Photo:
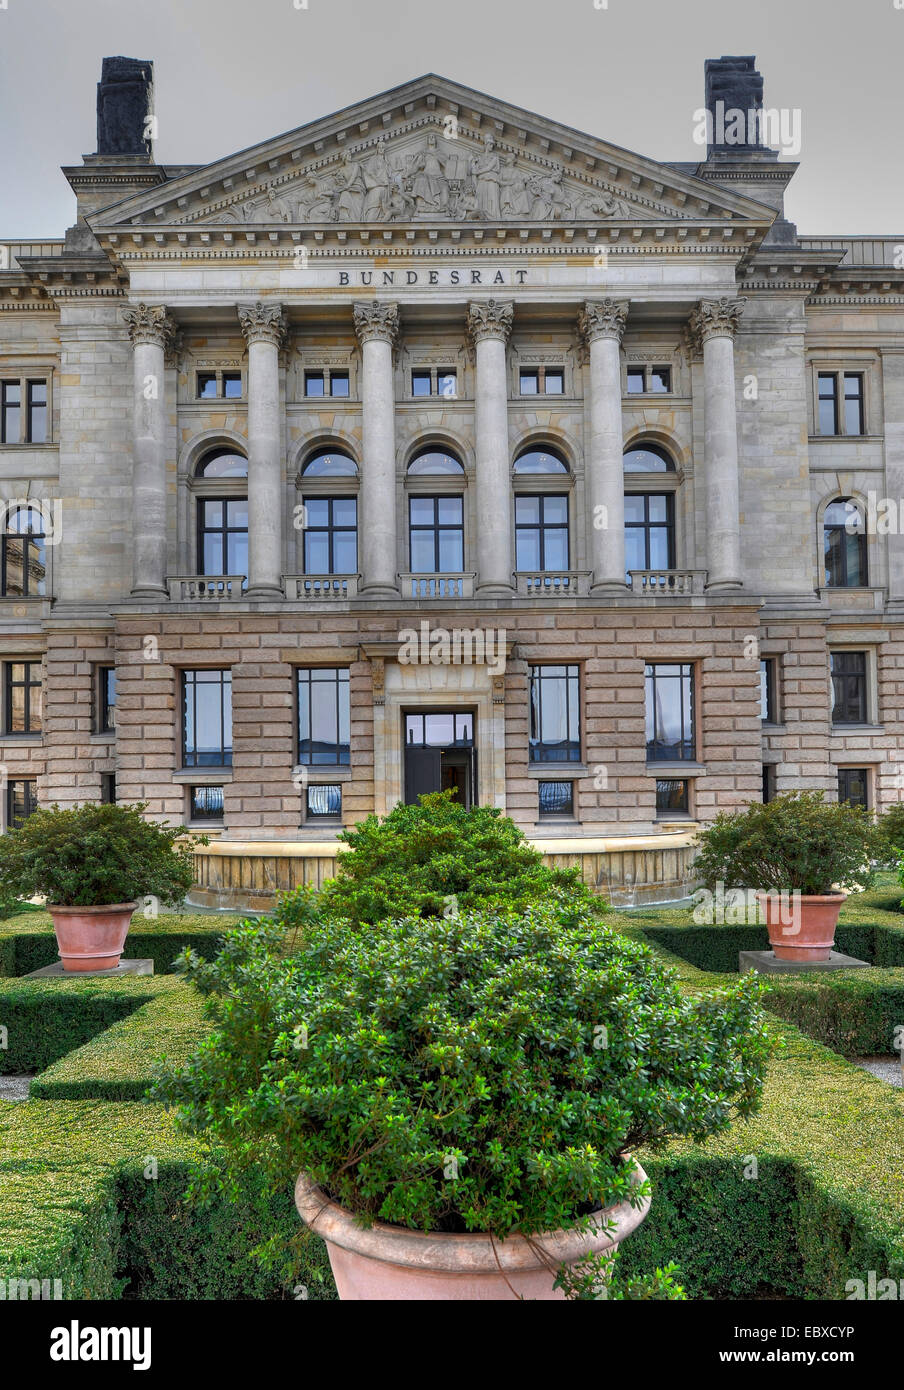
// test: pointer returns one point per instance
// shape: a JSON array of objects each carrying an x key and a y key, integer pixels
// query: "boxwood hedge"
[{"x": 27, "y": 941}]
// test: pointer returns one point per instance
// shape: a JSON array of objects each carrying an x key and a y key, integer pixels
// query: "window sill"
[
  {"x": 206, "y": 827},
  {"x": 676, "y": 769},
  {"x": 858, "y": 728},
  {"x": 323, "y": 772},
  {"x": 108, "y": 736},
  {"x": 36, "y": 739},
  {"x": 203, "y": 776},
  {"x": 558, "y": 772}
]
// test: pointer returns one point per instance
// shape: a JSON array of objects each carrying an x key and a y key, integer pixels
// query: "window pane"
[
  {"x": 556, "y": 798},
  {"x": 647, "y": 460},
  {"x": 420, "y": 383},
  {"x": 828, "y": 411},
  {"x": 659, "y": 548},
  {"x": 14, "y": 566},
  {"x": 212, "y": 554},
  {"x": 539, "y": 461},
  {"x": 447, "y": 384},
  {"x": 635, "y": 382},
  {"x": 635, "y": 507},
  {"x": 207, "y": 385},
  {"x": 37, "y": 412},
  {"x": 555, "y": 544},
  {"x": 226, "y": 465},
  {"x": 853, "y": 404},
  {"x": 316, "y": 552},
  {"x": 555, "y": 510},
  {"x": 345, "y": 552},
  {"x": 450, "y": 510},
  {"x": 527, "y": 549},
  {"x": 434, "y": 461},
  {"x": 317, "y": 510},
  {"x": 660, "y": 379},
  {"x": 313, "y": 383},
  {"x": 555, "y": 381},
  {"x": 421, "y": 511},
  {"x": 339, "y": 383},
  {"x": 232, "y": 390},
  {"x": 672, "y": 796},
  {"x": 423, "y": 552},
  {"x": 328, "y": 463},
  {"x": 206, "y": 803},
  {"x": 451, "y": 552},
  {"x": 325, "y": 800},
  {"x": 658, "y": 508},
  {"x": 529, "y": 383},
  {"x": 527, "y": 510}
]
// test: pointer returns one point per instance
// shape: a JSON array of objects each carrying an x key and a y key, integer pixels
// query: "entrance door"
[{"x": 440, "y": 754}]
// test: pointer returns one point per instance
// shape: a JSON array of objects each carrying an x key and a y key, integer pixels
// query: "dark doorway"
[{"x": 440, "y": 754}]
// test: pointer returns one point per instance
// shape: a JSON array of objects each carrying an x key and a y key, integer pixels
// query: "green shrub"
[
  {"x": 93, "y": 855},
  {"x": 892, "y": 827},
  {"x": 435, "y": 858},
  {"x": 796, "y": 842},
  {"x": 478, "y": 1072}
]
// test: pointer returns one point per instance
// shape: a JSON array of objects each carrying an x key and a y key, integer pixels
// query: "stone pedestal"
[
  {"x": 767, "y": 963},
  {"x": 140, "y": 966}
]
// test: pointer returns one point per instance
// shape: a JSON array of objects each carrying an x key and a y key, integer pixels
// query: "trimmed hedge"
[
  {"x": 27, "y": 941},
  {"x": 46, "y": 1019},
  {"x": 855, "y": 1012}
]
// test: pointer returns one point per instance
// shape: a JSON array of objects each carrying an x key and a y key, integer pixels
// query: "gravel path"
[
  {"x": 886, "y": 1068},
  {"x": 15, "y": 1087}
]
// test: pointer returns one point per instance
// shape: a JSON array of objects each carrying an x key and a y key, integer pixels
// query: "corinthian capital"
[
  {"x": 490, "y": 318},
  {"x": 376, "y": 320},
  {"x": 715, "y": 318},
  {"x": 602, "y": 318},
  {"x": 263, "y": 323},
  {"x": 151, "y": 323}
]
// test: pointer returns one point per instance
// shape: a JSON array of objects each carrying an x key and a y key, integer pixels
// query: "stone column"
[
  {"x": 713, "y": 325},
  {"x": 489, "y": 325},
  {"x": 264, "y": 328},
  {"x": 601, "y": 324},
  {"x": 153, "y": 332},
  {"x": 377, "y": 327}
]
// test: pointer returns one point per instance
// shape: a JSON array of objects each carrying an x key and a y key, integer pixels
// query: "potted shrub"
[
  {"x": 457, "y": 1099},
  {"x": 92, "y": 863},
  {"x": 800, "y": 854}
]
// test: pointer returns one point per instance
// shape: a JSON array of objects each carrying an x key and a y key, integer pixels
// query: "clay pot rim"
[
  {"x": 63, "y": 908},
  {"x": 471, "y": 1253},
  {"x": 804, "y": 897}
]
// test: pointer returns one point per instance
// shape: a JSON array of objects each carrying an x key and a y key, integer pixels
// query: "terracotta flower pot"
[
  {"x": 385, "y": 1262},
  {"x": 91, "y": 938},
  {"x": 801, "y": 928}
]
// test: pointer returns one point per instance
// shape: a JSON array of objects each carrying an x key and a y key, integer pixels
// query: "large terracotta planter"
[
  {"x": 385, "y": 1262},
  {"x": 811, "y": 934},
  {"x": 91, "y": 938}
]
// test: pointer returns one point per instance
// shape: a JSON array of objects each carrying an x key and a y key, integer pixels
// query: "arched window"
[
  {"x": 222, "y": 463},
  {"x": 24, "y": 560},
  {"x": 329, "y": 463},
  {"x": 649, "y": 531},
  {"x": 435, "y": 463},
  {"x": 648, "y": 458},
  {"x": 540, "y": 461},
  {"x": 844, "y": 543}
]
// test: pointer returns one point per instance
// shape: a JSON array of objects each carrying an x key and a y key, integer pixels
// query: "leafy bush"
[
  {"x": 478, "y": 1072},
  {"x": 95, "y": 855},
  {"x": 436, "y": 858},
  {"x": 892, "y": 828},
  {"x": 797, "y": 842}
]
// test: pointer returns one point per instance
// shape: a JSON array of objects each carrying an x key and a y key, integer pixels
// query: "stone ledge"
[{"x": 766, "y": 963}]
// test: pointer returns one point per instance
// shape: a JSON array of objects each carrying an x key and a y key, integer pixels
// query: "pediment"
[{"x": 430, "y": 153}]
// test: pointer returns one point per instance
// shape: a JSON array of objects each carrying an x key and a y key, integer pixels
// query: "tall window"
[
  {"x": 23, "y": 697},
  {"x": 555, "y": 722},
  {"x": 24, "y": 554},
  {"x": 437, "y": 536},
  {"x": 649, "y": 531},
  {"x": 849, "y": 688},
  {"x": 670, "y": 712},
  {"x": 768, "y": 701},
  {"x": 844, "y": 539},
  {"x": 207, "y": 718},
  {"x": 106, "y": 699},
  {"x": 223, "y": 535},
  {"x": 541, "y": 532},
  {"x": 21, "y": 801},
  {"x": 853, "y": 786},
  {"x": 324, "y": 716},
  {"x": 23, "y": 426},
  {"x": 840, "y": 408},
  {"x": 331, "y": 535}
]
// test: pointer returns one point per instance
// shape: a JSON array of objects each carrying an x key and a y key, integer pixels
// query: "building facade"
[{"x": 436, "y": 444}]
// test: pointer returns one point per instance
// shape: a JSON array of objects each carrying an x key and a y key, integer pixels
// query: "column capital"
[
  {"x": 376, "y": 320},
  {"x": 153, "y": 324},
  {"x": 714, "y": 318},
  {"x": 602, "y": 318},
  {"x": 263, "y": 322},
  {"x": 489, "y": 318}
]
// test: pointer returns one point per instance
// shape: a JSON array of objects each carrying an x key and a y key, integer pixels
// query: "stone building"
[{"x": 438, "y": 444}]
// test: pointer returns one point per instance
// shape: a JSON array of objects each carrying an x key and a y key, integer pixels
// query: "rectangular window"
[
  {"x": 436, "y": 535},
  {"x": 447, "y": 384},
  {"x": 232, "y": 385},
  {"x": 21, "y": 801},
  {"x": 849, "y": 688},
  {"x": 223, "y": 535},
  {"x": 23, "y": 697},
  {"x": 331, "y": 535},
  {"x": 828, "y": 403},
  {"x": 10, "y": 412},
  {"x": 555, "y": 798},
  {"x": 853, "y": 786},
  {"x": 853, "y": 403},
  {"x": 541, "y": 532},
  {"x": 106, "y": 699},
  {"x": 672, "y": 797},
  {"x": 338, "y": 383},
  {"x": 670, "y": 712},
  {"x": 108, "y": 788},
  {"x": 207, "y": 386},
  {"x": 554, "y": 382},
  {"x": 421, "y": 383},
  {"x": 313, "y": 383},
  {"x": 529, "y": 381},
  {"x": 323, "y": 801},
  {"x": 36, "y": 422},
  {"x": 324, "y": 716},
  {"x": 768, "y": 708},
  {"x": 649, "y": 531},
  {"x": 207, "y": 718},
  {"x": 555, "y": 723},
  {"x": 660, "y": 380},
  {"x": 205, "y": 803},
  {"x": 768, "y": 783},
  {"x": 636, "y": 381}
]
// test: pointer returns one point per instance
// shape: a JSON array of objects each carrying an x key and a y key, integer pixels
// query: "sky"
[{"x": 229, "y": 73}]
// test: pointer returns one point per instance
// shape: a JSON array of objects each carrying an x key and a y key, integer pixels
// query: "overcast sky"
[{"x": 229, "y": 73}]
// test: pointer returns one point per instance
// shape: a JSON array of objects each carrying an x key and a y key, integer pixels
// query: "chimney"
[
  {"x": 125, "y": 100},
  {"x": 734, "y": 100}
]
